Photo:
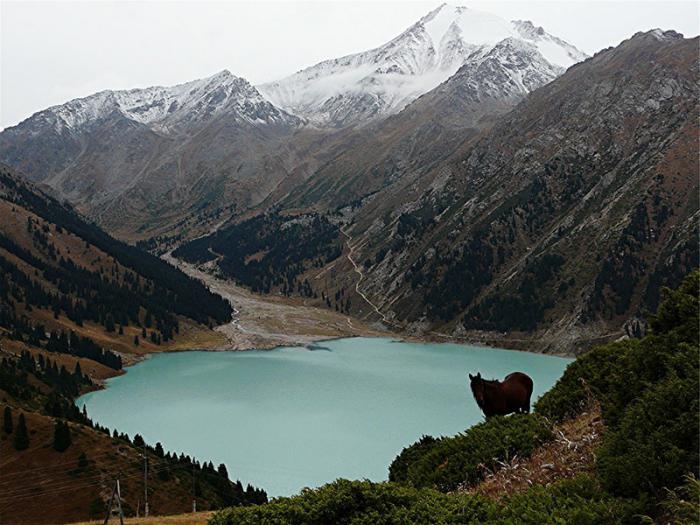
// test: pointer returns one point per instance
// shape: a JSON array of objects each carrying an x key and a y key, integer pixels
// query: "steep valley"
[
  {"x": 473, "y": 180},
  {"x": 552, "y": 239}
]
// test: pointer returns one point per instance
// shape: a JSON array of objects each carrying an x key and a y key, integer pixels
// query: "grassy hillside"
[
  {"x": 166, "y": 286},
  {"x": 75, "y": 307},
  {"x": 61, "y": 275}
]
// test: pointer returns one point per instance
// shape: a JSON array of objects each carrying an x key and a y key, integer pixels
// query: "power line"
[
  {"x": 53, "y": 466},
  {"x": 31, "y": 492},
  {"x": 68, "y": 487}
]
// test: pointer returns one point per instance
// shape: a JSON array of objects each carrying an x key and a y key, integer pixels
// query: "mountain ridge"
[
  {"x": 175, "y": 162},
  {"x": 553, "y": 227},
  {"x": 162, "y": 106},
  {"x": 484, "y": 202},
  {"x": 383, "y": 80}
]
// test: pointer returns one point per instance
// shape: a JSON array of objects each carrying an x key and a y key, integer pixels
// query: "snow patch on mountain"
[
  {"x": 554, "y": 49},
  {"x": 381, "y": 81},
  {"x": 168, "y": 109},
  {"x": 510, "y": 69}
]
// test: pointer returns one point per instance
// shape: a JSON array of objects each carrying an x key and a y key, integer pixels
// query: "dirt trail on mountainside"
[{"x": 270, "y": 321}]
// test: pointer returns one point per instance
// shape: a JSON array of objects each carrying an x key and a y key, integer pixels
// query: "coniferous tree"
[
  {"x": 61, "y": 436},
  {"x": 7, "y": 420},
  {"x": 21, "y": 441},
  {"x": 109, "y": 323}
]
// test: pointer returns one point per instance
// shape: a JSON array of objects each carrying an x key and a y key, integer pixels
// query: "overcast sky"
[{"x": 51, "y": 52}]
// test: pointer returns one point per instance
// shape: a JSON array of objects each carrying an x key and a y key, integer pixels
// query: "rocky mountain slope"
[
  {"x": 427, "y": 131},
  {"x": 146, "y": 158},
  {"x": 569, "y": 213},
  {"x": 177, "y": 162},
  {"x": 552, "y": 228},
  {"x": 361, "y": 87}
]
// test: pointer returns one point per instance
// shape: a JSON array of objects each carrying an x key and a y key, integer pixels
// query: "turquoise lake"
[{"x": 298, "y": 417}]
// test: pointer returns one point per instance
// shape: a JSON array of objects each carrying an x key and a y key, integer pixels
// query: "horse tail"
[{"x": 529, "y": 388}]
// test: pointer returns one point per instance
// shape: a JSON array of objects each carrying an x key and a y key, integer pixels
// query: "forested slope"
[
  {"x": 75, "y": 307},
  {"x": 565, "y": 218}
]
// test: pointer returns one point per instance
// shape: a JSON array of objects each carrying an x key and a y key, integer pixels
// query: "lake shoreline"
[
  {"x": 262, "y": 322},
  {"x": 248, "y": 403},
  {"x": 135, "y": 359}
]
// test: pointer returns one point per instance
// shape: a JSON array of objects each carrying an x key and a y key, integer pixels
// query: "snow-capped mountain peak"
[
  {"x": 167, "y": 109},
  {"x": 363, "y": 86},
  {"x": 475, "y": 27},
  {"x": 554, "y": 49}
]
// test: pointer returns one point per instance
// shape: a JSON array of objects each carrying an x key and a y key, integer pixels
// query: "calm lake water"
[{"x": 293, "y": 417}]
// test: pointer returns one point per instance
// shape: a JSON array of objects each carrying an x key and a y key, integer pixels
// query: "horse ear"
[
  {"x": 478, "y": 375},
  {"x": 471, "y": 376}
]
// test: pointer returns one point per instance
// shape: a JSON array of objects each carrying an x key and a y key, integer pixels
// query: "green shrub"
[
  {"x": 678, "y": 311},
  {"x": 619, "y": 373},
  {"x": 446, "y": 463},
  {"x": 577, "y": 501},
  {"x": 362, "y": 503},
  {"x": 648, "y": 392},
  {"x": 656, "y": 442},
  {"x": 680, "y": 506},
  {"x": 398, "y": 470},
  {"x": 600, "y": 371}
]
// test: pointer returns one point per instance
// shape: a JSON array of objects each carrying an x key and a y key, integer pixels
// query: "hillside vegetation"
[
  {"x": 646, "y": 465},
  {"x": 75, "y": 307},
  {"x": 269, "y": 252}
]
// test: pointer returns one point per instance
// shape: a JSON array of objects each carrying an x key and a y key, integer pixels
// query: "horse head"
[{"x": 477, "y": 385}]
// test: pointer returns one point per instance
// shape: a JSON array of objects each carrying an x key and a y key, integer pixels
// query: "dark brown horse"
[{"x": 498, "y": 398}]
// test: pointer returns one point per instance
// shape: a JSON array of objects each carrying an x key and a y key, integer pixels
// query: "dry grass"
[
  {"x": 571, "y": 452},
  {"x": 42, "y": 486},
  {"x": 199, "y": 518}
]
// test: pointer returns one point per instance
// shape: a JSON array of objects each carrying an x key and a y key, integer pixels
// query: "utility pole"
[
  {"x": 145, "y": 482},
  {"x": 119, "y": 503},
  {"x": 194, "y": 491},
  {"x": 116, "y": 492}
]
